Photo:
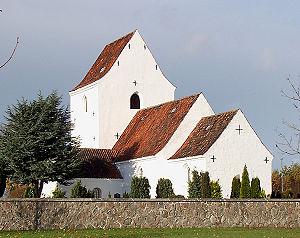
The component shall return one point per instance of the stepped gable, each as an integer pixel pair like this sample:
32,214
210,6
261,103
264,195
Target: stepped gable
204,135
105,61
98,163
151,129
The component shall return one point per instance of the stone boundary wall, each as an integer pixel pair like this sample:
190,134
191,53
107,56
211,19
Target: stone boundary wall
32,214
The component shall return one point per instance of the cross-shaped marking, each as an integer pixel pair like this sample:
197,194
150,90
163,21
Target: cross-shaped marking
239,129
213,158
93,113
266,160
117,135
134,82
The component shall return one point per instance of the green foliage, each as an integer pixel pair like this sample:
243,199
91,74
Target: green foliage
36,143
205,188
29,192
58,193
109,194
179,196
235,187
262,194
245,184
125,195
164,189
216,191
194,186
291,181
255,188
79,191
140,187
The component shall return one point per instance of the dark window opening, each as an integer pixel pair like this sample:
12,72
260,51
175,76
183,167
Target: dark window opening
135,101
97,193
118,63
129,46
156,67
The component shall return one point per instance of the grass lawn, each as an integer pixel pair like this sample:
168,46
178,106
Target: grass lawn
184,232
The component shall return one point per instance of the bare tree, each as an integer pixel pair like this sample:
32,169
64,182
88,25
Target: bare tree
289,143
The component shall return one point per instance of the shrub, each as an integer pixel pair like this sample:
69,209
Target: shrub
255,188
140,187
235,187
194,187
29,192
205,188
216,191
125,195
262,194
178,196
58,193
164,188
245,184
109,194
79,191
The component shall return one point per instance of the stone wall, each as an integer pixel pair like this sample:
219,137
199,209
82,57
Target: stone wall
29,214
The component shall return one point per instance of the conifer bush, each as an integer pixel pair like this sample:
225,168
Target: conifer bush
140,187
235,187
245,184
164,189
255,188
79,191
29,192
58,193
205,188
216,191
194,186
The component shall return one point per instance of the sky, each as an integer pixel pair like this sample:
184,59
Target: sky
238,53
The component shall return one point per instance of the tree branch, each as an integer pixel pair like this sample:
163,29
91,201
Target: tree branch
11,54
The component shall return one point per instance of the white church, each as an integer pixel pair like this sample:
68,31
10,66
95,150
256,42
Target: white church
129,124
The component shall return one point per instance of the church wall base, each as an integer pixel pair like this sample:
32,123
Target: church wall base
33,214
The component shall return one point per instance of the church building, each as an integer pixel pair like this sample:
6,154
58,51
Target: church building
129,124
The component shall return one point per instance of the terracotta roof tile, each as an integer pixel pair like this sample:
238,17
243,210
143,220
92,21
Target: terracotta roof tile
105,61
151,128
97,163
204,135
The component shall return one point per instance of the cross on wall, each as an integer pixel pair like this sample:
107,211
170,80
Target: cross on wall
213,158
266,159
239,129
134,82
117,135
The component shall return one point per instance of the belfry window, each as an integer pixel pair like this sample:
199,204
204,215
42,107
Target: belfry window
85,103
135,101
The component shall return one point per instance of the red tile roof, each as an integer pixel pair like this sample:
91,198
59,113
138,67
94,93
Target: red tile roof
204,135
98,163
105,61
151,128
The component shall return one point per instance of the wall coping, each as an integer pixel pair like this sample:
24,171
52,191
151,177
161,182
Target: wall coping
179,200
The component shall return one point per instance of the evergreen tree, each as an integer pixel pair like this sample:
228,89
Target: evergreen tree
255,188
2,172
194,186
245,184
37,146
216,191
205,188
58,193
164,189
80,191
235,187
140,187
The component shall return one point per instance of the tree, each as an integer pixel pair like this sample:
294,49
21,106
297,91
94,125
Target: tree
255,189
291,144
216,191
164,188
205,188
58,193
37,146
194,186
245,184
276,184
140,187
291,181
235,187
79,191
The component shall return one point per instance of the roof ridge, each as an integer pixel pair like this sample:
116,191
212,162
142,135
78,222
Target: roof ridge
122,37
219,114
157,105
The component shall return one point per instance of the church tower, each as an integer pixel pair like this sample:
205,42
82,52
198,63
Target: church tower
124,79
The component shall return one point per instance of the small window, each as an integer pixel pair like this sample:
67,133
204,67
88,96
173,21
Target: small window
135,101
129,46
118,63
97,193
156,67
145,47
85,103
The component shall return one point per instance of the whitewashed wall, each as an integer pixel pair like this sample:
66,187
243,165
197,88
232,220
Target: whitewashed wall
86,123
233,150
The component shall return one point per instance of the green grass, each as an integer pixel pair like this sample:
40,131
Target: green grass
184,232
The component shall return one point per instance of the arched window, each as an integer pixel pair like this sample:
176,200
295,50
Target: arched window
85,103
97,192
135,101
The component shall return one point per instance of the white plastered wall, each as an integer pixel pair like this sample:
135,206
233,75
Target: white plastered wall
233,150
136,64
86,122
